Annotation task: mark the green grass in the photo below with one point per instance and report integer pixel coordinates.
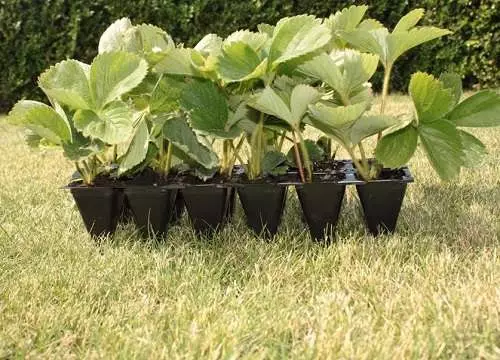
(432, 290)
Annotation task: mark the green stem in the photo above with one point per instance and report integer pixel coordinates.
(363, 155)
(306, 158)
(364, 172)
(256, 149)
(282, 140)
(329, 148)
(298, 160)
(236, 151)
(224, 160)
(385, 93)
(168, 161)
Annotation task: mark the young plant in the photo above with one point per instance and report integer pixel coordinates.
(340, 114)
(88, 117)
(389, 46)
(290, 105)
(243, 63)
(439, 115)
(163, 137)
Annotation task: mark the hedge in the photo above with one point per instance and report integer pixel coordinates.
(36, 34)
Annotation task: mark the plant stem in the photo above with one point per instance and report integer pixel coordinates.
(225, 158)
(385, 92)
(298, 160)
(363, 156)
(282, 140)
(236, 151)
(256, 149)
(364, 172)
(168, 160)
(306, 158)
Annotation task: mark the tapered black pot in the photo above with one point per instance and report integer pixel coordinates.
(152, 208)
(126, 215)
(178, 209)
(100, 208)
(321, 204)
(381, 203)
(207, 207)
(231, 204)
(263, 205)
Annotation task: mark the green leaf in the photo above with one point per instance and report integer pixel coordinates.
(297, 36)
(145, 40)
(207, 107)
(400, 42)
(113, 124)
(432, 101)
(347, 19)
(396, 149)
(67, 83)
(179, 62)
(344, 71)
(256, 41)
(148, 39)
(178, 132)
(390, 46)
(479, 110)
(269, 102)
(137, 149)
(166, 94)
(302, 96)
(337, 116)
(356, 70)
(408, 21)
(454, 83)
(112, 74)
(239, 62)
(367, 126)
(443, 146)
(373, 41)
(370, 24)
(81, 147)
(271, 161)
(41, 119)
(113, 38)
(211, 44)
(324, 68)
(473, 149)
(315, 151)
(266, 29)
(336, 121)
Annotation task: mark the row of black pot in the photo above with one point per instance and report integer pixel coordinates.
(210, 206)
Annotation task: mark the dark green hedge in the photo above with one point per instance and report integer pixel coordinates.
(36, 34)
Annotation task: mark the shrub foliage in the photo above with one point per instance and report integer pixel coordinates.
(35, 34)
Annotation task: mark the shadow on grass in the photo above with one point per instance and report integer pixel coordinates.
(451, 212)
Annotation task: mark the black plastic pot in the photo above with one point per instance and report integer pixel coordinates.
(231, 205)
(207, 206)
(100, 208)
(381, 202)
(178, 209)
(263, 205)
(126, 215)
(321, 204)
(152, 207)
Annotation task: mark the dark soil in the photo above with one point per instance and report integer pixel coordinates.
(330, 165)
(389, 174)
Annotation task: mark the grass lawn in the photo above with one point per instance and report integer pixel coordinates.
(432, 290)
